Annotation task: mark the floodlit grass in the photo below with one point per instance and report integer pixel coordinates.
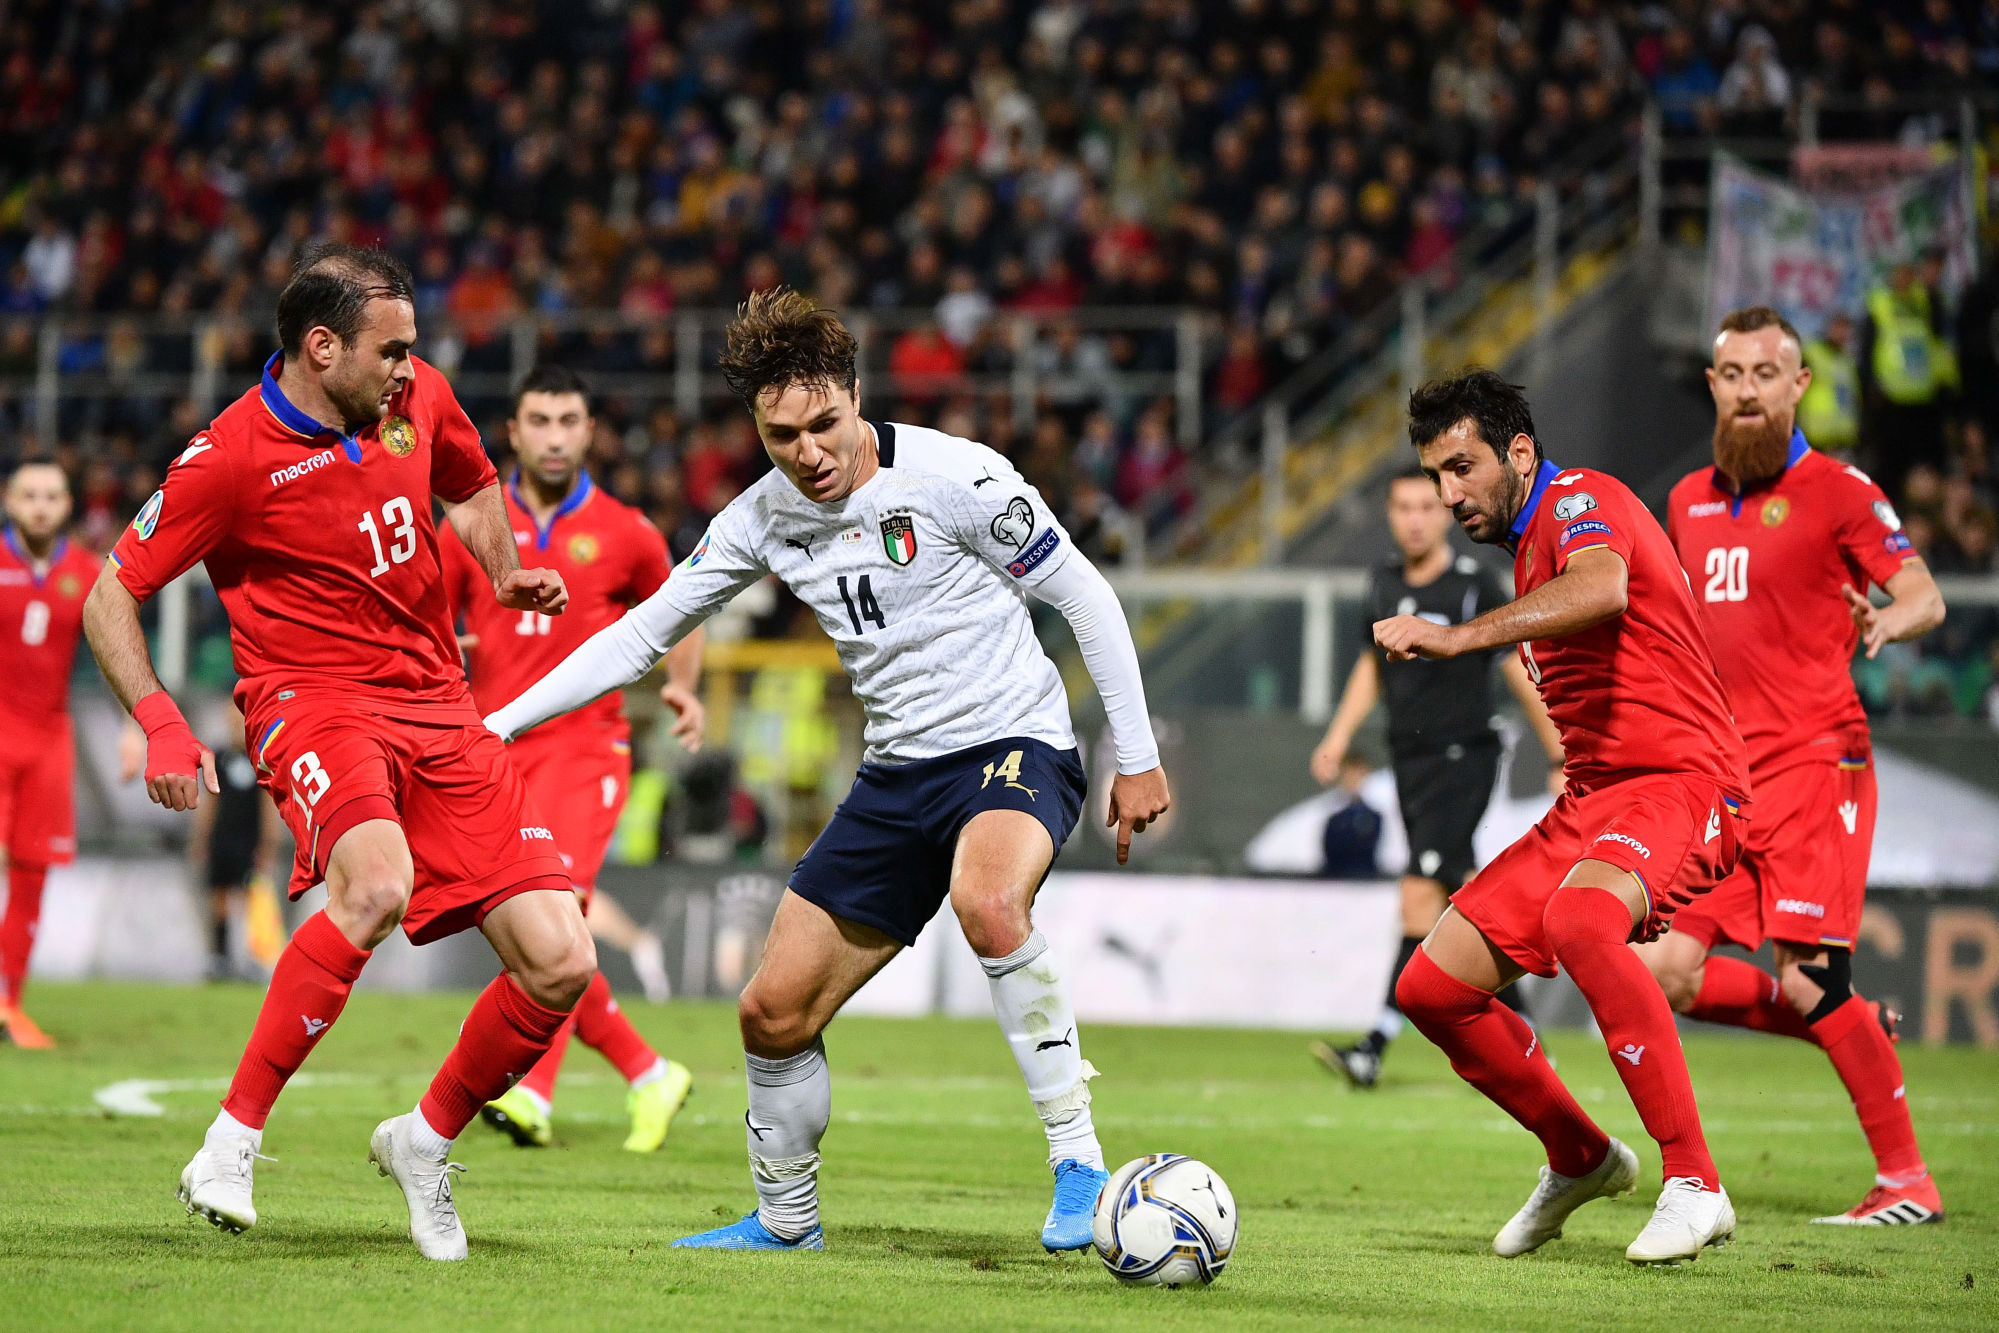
(1357, 1208)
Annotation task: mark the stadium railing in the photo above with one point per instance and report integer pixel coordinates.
(60, 371)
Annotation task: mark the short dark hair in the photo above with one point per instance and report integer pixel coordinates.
(781, 338)
(331, 286)
(1497, 408)
(1753, 317)
(547, 377)
(39, 460)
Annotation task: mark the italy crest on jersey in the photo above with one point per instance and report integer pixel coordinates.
(899, 538)
(398, 436)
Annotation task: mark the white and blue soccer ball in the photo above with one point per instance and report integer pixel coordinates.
(1165, 1221)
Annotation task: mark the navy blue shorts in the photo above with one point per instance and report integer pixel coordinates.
(884, 860)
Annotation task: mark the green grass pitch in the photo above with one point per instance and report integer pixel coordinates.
(1357, 1208)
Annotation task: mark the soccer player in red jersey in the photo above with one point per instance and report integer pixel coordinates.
(1651, 817)
(43, 580)
(309, 498)
(1777, 535)
(579, 767)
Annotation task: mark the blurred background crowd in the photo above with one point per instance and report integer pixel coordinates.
(1053, 218)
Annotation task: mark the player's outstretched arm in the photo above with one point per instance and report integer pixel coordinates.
(1356, 702)
(1594, 588)
(1139, 793)
(1915, 607)
(177, 765)
(481, 524)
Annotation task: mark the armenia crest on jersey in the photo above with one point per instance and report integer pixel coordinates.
(899, 538)
(398, 436)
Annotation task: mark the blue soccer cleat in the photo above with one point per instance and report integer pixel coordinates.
(750, 1234)
(1073, 1214)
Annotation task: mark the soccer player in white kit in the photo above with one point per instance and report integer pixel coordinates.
(916, 550)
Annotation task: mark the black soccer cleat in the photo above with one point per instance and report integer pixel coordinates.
(1360, 1064)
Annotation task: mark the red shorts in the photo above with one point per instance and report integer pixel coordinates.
(579, 777)
(37, 806)
(1803, 876)
(472, 831)
(1676, 834)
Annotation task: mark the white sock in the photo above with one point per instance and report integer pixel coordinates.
(1389, 1025)
(1039, 1023)
(652, 1075)
(227, 1126)
(791, 1101)
(427, 1140)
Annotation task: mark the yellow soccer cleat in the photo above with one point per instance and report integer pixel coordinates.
(653, 1106)
(521, 1117)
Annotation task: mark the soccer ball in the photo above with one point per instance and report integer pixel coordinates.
(1165, 1221)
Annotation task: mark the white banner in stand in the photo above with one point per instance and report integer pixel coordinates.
(1185, 950)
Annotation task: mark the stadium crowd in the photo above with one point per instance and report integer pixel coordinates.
(1278, 164)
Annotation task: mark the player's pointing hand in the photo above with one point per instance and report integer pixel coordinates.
(1136, 800)
(533, 590)
(1405, 638)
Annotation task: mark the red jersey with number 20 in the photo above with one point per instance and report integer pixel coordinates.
(610, 558)
(1638, 693)
(1767, 567)
(321, 546)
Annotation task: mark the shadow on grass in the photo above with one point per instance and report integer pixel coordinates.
(277, 1241)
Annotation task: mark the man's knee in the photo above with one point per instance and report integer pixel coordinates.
(368, 893)
(993, 925)
(1815, 984)
(773, 1028)
(556, 977)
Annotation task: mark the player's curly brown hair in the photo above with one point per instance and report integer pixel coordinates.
(781, 338)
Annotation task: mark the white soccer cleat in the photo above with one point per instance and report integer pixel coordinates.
(1686, 1219)
(426, 1184)
(216, 1184)
(1540, 1219)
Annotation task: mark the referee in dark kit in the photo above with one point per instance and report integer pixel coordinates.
(1440, 734)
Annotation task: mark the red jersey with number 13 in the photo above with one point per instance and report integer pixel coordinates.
(321, 546)
(1766, 567)
(1638, 693)
(610, 557)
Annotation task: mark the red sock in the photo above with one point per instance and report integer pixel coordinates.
(1589, 928)
(541, 1079)
(308, 990)
(1495, 1052)
(1872, 1072)
(1739, 993)
(503, 1036)
(17, 928)
(605, 1029)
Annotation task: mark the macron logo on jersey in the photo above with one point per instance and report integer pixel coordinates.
(534, 831)
(1628, 841)
(200, 446)
(1707, 508)
(324, 458)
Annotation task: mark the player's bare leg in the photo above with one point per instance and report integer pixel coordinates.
(1588, 923)
(996, 869)
(368, 880)
(813, 963)
(1448, 992)
(614, 926)
(1811, 999)
(657, 1087)
(549, 960)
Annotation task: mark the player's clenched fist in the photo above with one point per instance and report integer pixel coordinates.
(533, 590)
(174, 757)
(1406, 637)
(1136, 800)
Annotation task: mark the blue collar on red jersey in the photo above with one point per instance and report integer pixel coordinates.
(1545, 474)
(1799, 448)
(580, 492)
(296, 421)
(13, 540)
